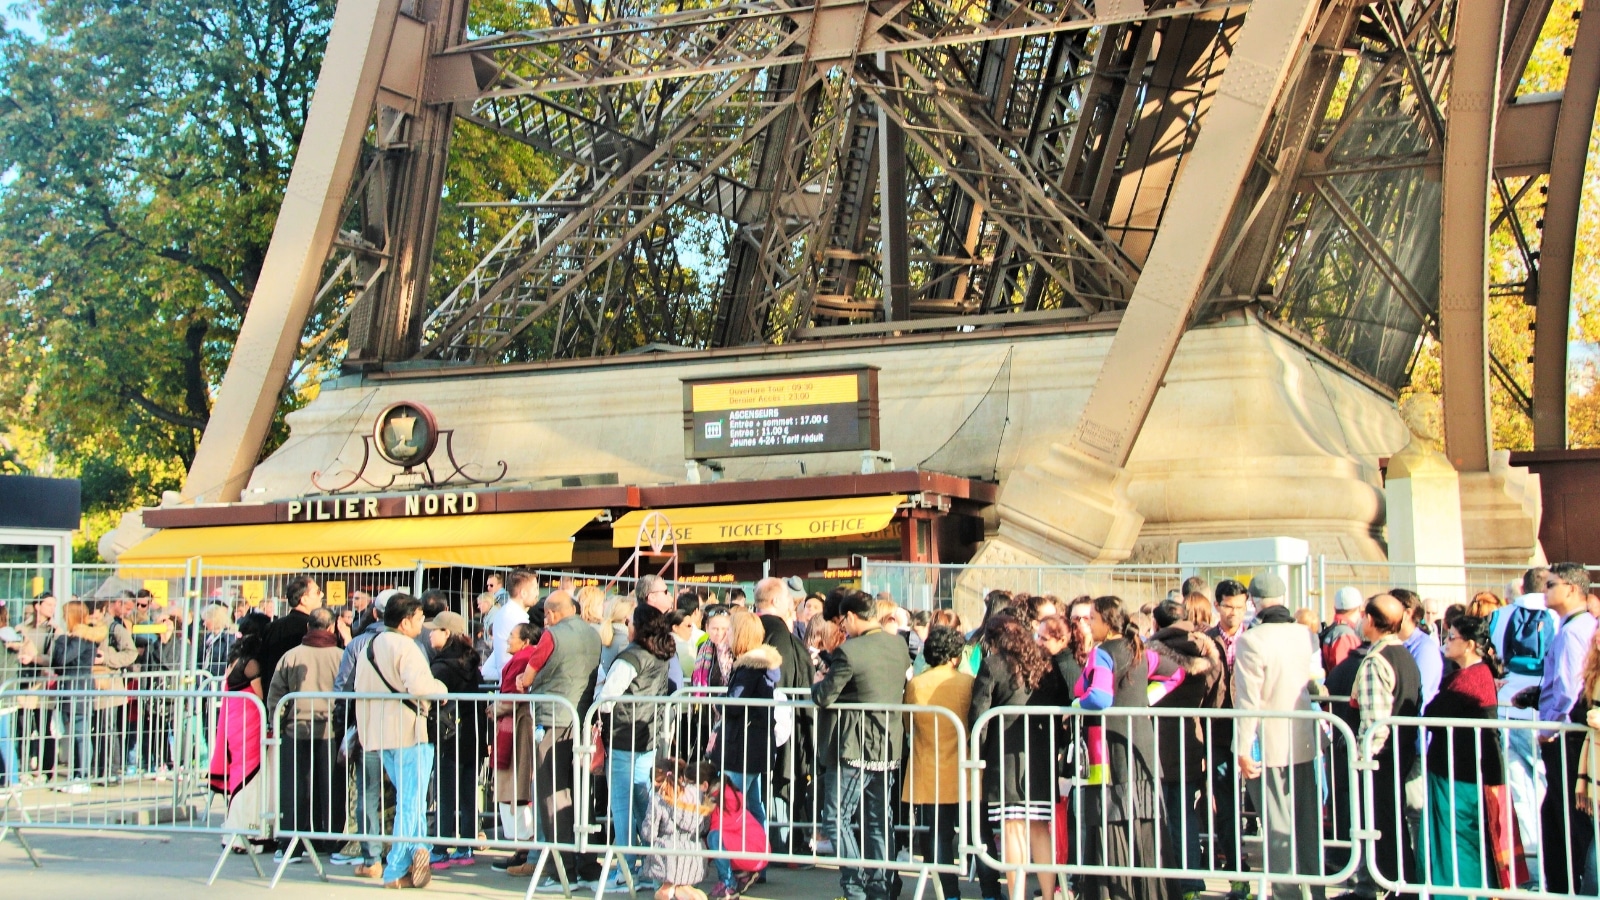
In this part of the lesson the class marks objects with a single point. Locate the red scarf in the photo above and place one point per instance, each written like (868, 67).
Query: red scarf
(514, 666)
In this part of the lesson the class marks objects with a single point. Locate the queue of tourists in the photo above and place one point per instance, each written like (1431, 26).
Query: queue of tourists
(730, 731)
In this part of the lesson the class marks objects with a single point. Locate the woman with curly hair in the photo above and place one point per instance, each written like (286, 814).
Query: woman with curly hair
(1018, 751)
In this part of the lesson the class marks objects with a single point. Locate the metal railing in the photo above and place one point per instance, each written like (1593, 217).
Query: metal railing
(898, 808)
(1024, 791)
(143, 760)
(367, 768)
(928, 586)
(1441, 818)
(1119, 795)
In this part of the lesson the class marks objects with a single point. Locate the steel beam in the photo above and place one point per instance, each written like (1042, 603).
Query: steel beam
(1270, 45)
(743, 36)
(330, 147)
(893, 227)
(1464, 231)
(1568, 157)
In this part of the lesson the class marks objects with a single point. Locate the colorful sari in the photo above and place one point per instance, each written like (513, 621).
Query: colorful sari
(236, 755)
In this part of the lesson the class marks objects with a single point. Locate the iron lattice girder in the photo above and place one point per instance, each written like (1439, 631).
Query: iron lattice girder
(1043, 221)
(547, 265)
(742, 36)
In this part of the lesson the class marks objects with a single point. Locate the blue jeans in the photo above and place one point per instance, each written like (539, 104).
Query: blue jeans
(8, 747)
(864, 837)
(749, 784)
(628, 777)
(724, 867)
(410, 770)
(79, 740)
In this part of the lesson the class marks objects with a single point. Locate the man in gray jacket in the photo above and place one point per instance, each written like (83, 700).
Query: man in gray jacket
(567, 657)
(312, 779)
(864, 747)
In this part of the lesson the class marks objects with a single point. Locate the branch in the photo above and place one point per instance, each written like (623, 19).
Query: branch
(216, 276)
(165, 415)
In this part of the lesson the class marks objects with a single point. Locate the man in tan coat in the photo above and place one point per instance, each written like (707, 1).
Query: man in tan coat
(311, 783)
(398, 731)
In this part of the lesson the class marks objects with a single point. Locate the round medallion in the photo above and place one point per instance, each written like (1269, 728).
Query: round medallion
(406, 434)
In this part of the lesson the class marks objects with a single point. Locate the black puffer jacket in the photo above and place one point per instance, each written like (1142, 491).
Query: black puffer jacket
(745, 741)
(1200, 660)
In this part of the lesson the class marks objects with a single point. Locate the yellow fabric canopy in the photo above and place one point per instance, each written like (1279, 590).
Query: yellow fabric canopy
(794, 520)
(481, 540)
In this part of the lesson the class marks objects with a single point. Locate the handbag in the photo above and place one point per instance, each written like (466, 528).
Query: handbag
(505, 729)
(597, 756)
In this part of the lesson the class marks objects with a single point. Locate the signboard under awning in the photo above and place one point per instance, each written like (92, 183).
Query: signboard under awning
(796, 520)
(505, 539)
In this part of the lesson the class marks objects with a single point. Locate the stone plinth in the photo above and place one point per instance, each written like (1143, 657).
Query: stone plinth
(1424, 496)
(1500, 514)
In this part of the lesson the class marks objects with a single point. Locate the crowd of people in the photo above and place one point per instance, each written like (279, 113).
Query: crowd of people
(484, 741)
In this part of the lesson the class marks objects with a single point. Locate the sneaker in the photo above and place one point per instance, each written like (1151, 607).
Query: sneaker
(743, 880)
(344, 859)
(421, 870)
(463, 858)
(548, 883)
(523, 871)
(370, 870)
(720, 891)
(277, 857)
(404, 881)
(75, 789)
(613, 885)
(822, 847)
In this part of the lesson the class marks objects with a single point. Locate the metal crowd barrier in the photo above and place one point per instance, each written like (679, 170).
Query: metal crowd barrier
(1115, 796)
(1443, 819)
(210, 744)
(498, 764)
(792, 766)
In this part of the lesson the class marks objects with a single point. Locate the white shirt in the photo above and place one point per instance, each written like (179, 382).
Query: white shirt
(499, 623)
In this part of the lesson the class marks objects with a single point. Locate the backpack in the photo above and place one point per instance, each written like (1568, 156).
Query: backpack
(1527, 638)
(1328, 638)
(738, 831)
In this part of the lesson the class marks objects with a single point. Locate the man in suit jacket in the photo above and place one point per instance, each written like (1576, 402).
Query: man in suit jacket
(864, 747)
(1273, 672)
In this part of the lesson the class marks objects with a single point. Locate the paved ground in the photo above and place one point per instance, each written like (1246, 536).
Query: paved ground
(124, 866)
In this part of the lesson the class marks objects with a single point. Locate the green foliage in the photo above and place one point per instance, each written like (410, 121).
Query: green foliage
(144, 149)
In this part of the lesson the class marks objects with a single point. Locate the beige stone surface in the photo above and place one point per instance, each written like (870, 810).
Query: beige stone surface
(1251, 435)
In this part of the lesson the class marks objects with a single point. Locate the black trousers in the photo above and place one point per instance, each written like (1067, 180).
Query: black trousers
(1392, 849)
(311, 790)
(1565, 833)
(554, 790)
(936, 838)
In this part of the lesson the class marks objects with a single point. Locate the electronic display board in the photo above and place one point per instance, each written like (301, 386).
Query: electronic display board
(779, 414)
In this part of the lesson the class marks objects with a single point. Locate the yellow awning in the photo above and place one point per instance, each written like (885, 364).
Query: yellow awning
(481, 540)
(809, 520)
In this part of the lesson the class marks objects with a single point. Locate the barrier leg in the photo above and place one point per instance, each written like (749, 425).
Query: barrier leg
(546, 855)
(922, 885)
(14, 798)
(288, 855)
(316, 861)
(250, 851)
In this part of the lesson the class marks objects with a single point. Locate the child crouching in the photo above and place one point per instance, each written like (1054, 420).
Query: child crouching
(677, 821)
